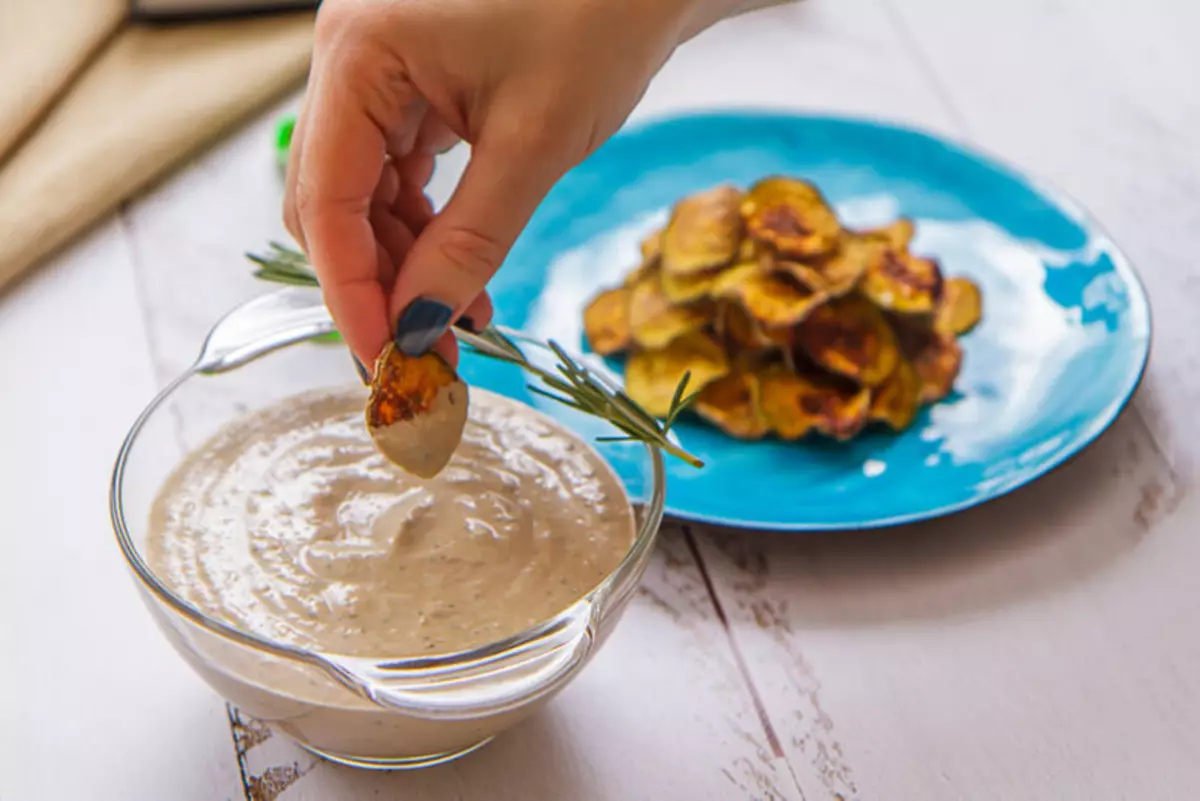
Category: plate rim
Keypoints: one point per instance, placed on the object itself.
(1053, 194)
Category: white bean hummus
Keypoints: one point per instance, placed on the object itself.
(290, 525)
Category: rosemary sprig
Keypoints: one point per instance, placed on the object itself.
(569, 383)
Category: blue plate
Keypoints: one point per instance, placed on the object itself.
(1063, 342)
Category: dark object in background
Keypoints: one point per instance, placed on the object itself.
(211, 9)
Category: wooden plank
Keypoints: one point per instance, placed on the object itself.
(1007, 652)
(1000, 653)
(94, 704)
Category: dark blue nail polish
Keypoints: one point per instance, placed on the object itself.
(363, 372)
(466, 324)
(421, 325)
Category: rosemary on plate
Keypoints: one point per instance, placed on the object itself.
(569, 383)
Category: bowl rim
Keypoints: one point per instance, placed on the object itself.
(566, 630)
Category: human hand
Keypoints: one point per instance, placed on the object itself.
(533, 85)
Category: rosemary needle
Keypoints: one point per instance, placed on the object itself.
(570, 383)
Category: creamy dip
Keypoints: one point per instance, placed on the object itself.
(290, 525)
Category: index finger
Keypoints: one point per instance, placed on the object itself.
(340, 166)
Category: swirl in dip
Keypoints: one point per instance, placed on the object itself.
(289, 524)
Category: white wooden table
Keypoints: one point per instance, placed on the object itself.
(1046, 646)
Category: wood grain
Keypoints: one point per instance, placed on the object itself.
(1039, 647)
(1005, 652)
(93, 704)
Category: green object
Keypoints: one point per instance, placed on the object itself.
(330, 338)
(283, 138)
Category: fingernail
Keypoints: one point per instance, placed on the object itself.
(421, 325)
(363, 372)
(467, 324)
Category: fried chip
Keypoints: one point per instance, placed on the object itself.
(898, 399)
(960, 308)
(938, 365)
(836, 274)
(732, 404)
(654, 321)
(791, 216)
(748, 251)
(787, 321)
(416, 410)
(642, 271)
(936, 357)
(897, 235)
(852, 338)
(688, 287)
(744, 333)
(606, 321)
(775, 301)
(793, 405)
(651, 247)
(705, 231)
(651, 376)
(899, 281)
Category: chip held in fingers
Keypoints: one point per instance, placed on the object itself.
(787, 321)
(416, 411)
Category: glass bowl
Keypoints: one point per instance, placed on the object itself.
(372, 712)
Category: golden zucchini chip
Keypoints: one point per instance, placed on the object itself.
(775, 301)
(793, 405)
(732, 404)
(651, 376)
(652, 247)
(936, 357)
(744, 333)
(651, 259)
(937, 365)
(897, 400)
(791, 216)
(416, 410)
(688, 287)
(852, 338)
(837, 274)
(899, 281)
(960, 309)
(654, 321)
(748, 251)
(606, 321)
(897, 235)
(705, 231)
(637, 274)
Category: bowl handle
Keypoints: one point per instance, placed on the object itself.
(496, 680)
(262, 325)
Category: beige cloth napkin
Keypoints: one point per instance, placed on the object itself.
(43, 45)
(149, 99)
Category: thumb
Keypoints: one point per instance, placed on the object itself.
(462, 247)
